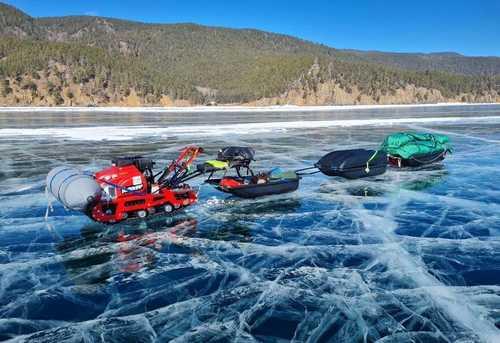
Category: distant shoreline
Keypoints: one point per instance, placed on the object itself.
(227, 108)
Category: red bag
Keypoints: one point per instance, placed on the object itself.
(229, 182)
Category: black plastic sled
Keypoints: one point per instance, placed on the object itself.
(353, 164)
(253, 190)
(418, 160)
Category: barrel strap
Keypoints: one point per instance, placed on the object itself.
(62, 183)
(53, 177)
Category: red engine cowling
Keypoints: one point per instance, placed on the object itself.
(122, 180)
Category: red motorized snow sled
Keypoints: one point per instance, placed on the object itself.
(127, 189)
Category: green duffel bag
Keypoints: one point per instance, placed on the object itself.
(408, 144)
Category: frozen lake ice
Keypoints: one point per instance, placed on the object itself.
(409, 256)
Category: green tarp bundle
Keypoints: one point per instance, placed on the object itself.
(408, 144)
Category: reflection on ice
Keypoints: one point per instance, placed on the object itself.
(405, 256)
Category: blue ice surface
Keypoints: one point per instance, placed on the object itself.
(411, 255)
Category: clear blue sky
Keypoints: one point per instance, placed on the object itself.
(468, 27)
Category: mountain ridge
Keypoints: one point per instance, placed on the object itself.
(71, 18)
(99, 60)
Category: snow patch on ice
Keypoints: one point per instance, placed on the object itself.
(117, 133)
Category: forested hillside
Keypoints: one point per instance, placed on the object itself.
(100, 61)
(445, 62)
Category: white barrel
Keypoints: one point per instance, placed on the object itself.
(74, 189)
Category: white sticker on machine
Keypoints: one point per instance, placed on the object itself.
(136, 180)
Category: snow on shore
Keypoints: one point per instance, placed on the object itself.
(198, 109)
